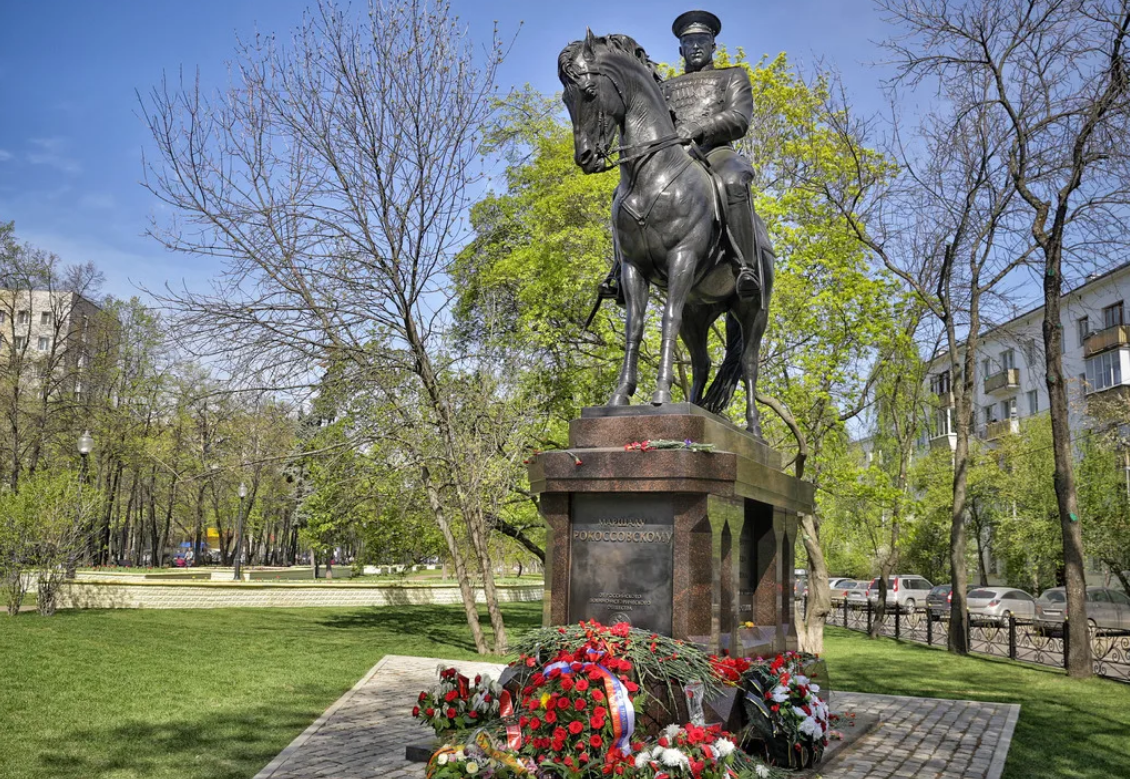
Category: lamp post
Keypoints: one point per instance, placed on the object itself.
(85, 447)
(239, 531)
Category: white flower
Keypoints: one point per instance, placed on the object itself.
(814, 688)
(724, 747)
(801, 679)
(673, 758)
(671, 730)
(779, 694)
(442, 759)
(642, 759)
(459, 755)
(472, 767)
(762, 770)
(811, 727)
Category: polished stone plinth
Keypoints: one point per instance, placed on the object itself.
(688, 544)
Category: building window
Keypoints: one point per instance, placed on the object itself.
(23, 317)
(45, 318)
(41, 370)
(990, 414)
(985, 368)
(20, 343)
(940, 383)
(942, 422)
(1008, 408)
(3, 316)
(1112, 315)
(1008, 360)
(1104, 370)
(1033, 402)
(43, 344)
(1082, 328)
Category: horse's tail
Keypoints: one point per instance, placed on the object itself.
(721, 391)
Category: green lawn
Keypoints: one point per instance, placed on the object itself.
(215, 694)
(208, 694)
(1067, 729)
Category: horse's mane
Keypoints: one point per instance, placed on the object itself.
(615, 42)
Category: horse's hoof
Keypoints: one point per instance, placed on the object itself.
(659, 398)
(619, 399)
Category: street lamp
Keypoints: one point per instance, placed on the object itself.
(85, 446)
(239, 531)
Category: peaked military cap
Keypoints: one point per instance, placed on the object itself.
(696, 21)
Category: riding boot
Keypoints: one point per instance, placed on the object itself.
(612, 288)
(739, 217)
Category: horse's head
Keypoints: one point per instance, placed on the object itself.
(595, 103)
(599, 75)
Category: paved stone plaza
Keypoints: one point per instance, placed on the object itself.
(363, 735)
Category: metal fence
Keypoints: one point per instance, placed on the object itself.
(1016, 639)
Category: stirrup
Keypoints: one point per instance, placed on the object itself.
(747, 284)
(608, 290)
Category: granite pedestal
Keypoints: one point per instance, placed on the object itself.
(687, 544)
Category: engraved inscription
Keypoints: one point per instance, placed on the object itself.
(621, 560)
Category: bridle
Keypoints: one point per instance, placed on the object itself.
(604, 150)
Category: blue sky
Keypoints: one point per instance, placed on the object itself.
(71, 140)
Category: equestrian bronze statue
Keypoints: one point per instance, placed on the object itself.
(682, 216)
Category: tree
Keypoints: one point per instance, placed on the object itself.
(1051, 76)
(332, 179)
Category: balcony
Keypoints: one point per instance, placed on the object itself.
(944, 399)
(995, 430)
(945, 441)
(1003, 381)
(1111, 338)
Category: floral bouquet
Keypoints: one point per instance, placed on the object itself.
(785, 711)
(689, 751)
(472, 760)
(575, 710)
(457, 703)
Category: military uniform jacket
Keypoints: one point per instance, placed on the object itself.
(720, 101)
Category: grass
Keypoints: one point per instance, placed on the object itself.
(1067, 729)
(208, 694)
(216, 694)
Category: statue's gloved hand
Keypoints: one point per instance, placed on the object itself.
(689, 131)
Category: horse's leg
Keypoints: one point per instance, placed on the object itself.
(635, 300)
(753, 319)
(696, 326)
(680, 275)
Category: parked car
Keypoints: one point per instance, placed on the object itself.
(835, 581)
(996, 604)
(1108, 610)
(938, 602)
(845, 586)
(905, 592)
(857, 596)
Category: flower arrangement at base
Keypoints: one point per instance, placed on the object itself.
(472, 760)
(687, 752)
(457, 703)
(785, 713)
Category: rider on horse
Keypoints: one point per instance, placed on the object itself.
(712, 108)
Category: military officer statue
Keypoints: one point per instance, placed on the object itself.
(712, 108)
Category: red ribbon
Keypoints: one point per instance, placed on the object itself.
(513, 732)
(463, 683)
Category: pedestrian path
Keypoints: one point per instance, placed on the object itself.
(363, 735)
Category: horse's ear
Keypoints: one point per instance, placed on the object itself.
(587, 51)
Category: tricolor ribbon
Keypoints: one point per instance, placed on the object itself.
(620, 709)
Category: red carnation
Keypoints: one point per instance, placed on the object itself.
(551, 717)
(576, 727)
(597, 695)
(535, 723)
(429, 711)
(567, 684)
(415, 711)
(451, 713)
(422, 696)
(563, 703)
(595, 741)
(596, 721)
(579, 704)
(451, 695)
(582, 685)
(559, 734)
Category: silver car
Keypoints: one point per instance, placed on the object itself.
(906, 593)
(996, 604)
(1108, 610)
(843, 589)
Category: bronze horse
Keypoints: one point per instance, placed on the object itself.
(666, 223)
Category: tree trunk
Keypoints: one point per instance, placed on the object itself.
(1079, 665)
(465, 588)
(819, 594)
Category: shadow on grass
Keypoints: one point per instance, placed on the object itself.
(204, 745)
(1067, 728)
(446, 625)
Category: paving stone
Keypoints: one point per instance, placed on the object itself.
(363, 735)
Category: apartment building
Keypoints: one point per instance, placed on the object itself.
(45, 334)
(1009, 380)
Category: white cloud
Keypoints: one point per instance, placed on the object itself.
(5, 155)
(50, 152)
